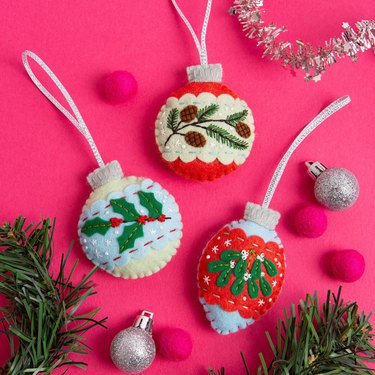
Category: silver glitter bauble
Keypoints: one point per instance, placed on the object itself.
(335, 188)
(133, 349)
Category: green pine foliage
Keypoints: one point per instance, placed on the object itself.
(41, 319)
(224, 137)
(332, 339)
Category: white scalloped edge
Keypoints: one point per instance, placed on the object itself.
(178, 148)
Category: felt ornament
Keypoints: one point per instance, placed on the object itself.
(204, 130)
(242, 269)
(129, 226)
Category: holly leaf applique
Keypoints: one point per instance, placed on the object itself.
(125, 209)
(148, 200)
(129, 236)
(96, 225)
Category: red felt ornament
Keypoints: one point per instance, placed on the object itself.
(242, 268)
(204, 130)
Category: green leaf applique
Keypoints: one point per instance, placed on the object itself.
(235, 118)
(217, 266)
(270, 267)
(240, 268)
(223, 279)
(252, 288)
(265, 287)
(129, 235)
(223, 136)
(207, 111)
(237, 286)
(172, 119)
(96, 225)
(230, 255)
(256, 269)
(124, 208)
(148, 200)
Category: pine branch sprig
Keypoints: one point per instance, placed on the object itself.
(40, 320)
(333, 339)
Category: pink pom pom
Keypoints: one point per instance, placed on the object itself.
(119, 86)
(175, 344)
(347, 265)
(310, 221)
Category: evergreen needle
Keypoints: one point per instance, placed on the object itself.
(40, 320)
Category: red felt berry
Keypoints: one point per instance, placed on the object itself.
(115, 221)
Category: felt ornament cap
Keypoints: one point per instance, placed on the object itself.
(242, 268)
(204, 130)
(130, 226)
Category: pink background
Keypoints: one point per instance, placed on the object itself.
(44, 160)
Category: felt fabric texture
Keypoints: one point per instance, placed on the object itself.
(206, 126)
(242, 270)
(310, 221)
(130, 227)
(174, 344)
(119, 86)
(347, 265)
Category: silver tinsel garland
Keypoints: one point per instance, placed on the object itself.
(301, 55)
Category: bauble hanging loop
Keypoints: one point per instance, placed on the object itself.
(204, 130)
(129, 226)
(335, 188)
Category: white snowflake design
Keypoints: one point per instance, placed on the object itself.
(227, 243)
(261, 302)
(215, 249)
(206, 279)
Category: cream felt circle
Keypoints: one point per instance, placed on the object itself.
(205, 127)
(130, 227)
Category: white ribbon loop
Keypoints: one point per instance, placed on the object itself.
(320, 118)
(201, 46)
(77, 119)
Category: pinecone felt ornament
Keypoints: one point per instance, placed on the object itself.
(242, 268)
(129, 226)
(204, 130)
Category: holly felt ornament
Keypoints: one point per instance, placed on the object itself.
(242, 269)
(129, 226)
(204, 130)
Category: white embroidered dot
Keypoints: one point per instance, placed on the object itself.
(85, 241)
(244, 298)
(219, 238)
(270, 300)
(208, 257)
(116, 232)
(281, 275)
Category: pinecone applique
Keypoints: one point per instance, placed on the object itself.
(189, 113)
(195, 139)
(243, 130)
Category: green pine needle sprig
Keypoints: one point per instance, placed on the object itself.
(331, 339)
(40, 320)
